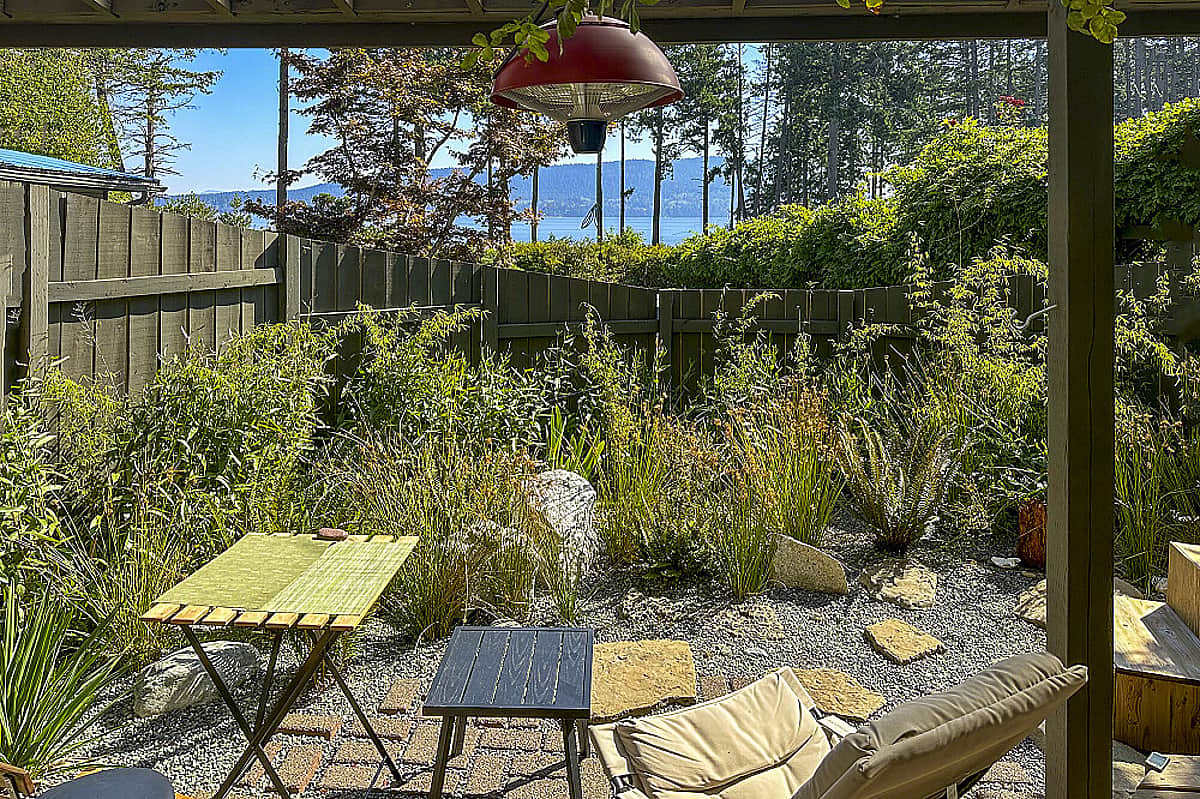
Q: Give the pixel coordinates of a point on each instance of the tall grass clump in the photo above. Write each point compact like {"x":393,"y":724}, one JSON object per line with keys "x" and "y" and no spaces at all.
{"x":30,"y":511}
{"x":52,"y":679}
{"x":741,"y":537}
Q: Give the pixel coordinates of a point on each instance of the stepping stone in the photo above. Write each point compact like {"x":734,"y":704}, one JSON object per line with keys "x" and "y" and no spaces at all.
{"x":1031,"y":604}
{"x":486,"y":775}
{"x":751,"y":621}
{"x":909,"y":585}
{"x":798,"y":565}
{"x":840,"y":694}
{"x":400,"y":696}
{"x":526,"y":740}
{"x":255,"y":771}
{"x":902,"y":643}
{"x":387,"y":727}
{"x":634,"y":677}
{"x":326,"y":727}
{"x":345,"y":778}
{"x":363,"y":751}
{"x":299,"y":766}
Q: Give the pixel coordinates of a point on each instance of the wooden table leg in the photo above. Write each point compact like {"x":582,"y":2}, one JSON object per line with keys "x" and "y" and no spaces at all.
{"x":460,"y":734}
{"x":443,"y":757}
{"x":584,"y":745}
{"x":572,"y":753}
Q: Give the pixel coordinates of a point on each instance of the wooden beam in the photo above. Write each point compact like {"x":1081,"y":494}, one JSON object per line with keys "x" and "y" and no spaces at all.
{"x":35,"y":309}
{"x":345,"y":7}
{"x":1079,"y":536}
{"x":475,"y":7}
{"x":150,"y":285}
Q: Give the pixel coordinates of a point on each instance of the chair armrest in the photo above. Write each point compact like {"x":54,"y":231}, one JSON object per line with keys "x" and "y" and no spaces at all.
{"x":19,"y":778}
{"x":835,"y":727}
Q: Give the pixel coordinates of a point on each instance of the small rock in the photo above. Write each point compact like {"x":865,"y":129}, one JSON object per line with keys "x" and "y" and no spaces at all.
{"x":798,"y":565}
{"x":757,"y":652}
{"x":840,"y":694}
{"x":179,"y":680}
{"x":1159,"y":584}
{"x":332,"y":534}
{"x":902,"y":643}
{"x":906,"y":584}
{"x":635,"y":677}
{"x":1005,"y":563}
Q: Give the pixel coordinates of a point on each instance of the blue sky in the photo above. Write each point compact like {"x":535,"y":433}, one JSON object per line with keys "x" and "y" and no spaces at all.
{"x":233,"y":131}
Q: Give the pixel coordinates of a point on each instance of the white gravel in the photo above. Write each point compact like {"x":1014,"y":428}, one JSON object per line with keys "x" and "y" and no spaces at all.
{"x":973,"y":617}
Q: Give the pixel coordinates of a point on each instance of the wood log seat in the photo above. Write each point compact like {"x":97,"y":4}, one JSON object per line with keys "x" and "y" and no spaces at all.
{"x":1157,"y":659}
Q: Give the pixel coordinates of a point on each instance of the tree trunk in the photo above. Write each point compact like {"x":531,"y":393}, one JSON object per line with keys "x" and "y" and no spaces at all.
{"x":741,"y":134}
{"x":533,"y":225}
{"x":704,"y":182}
{"x":110,"y":129}
{"x":281,"y":158}
{"x":759,"y":203}
{"x":655,"y":222}
{"x":622,"y":225}
{"x":833,"y":149}
{"x":148,"y":142}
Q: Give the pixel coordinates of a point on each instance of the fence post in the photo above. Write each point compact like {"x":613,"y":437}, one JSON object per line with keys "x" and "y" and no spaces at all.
{"x":289,"y":289}
{"x":35,"y":305}
{"x":666,"y":330}
{"x":491,"y":306}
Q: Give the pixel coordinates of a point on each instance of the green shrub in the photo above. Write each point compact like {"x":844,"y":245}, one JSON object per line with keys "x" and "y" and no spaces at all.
{"x":741,"y":538}
{"x":52,"y":678}
{"x":1158,"y":169}
{"x":897,"y":478}
{"x":854,"y":242}
{"x":623,"y":258}
{"x":30,"y":523}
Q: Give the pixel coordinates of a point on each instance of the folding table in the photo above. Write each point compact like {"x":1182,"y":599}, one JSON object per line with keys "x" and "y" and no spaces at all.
{"x":277,"y":583}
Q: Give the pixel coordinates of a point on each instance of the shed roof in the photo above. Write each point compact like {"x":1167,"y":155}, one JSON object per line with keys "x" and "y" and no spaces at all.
{"x":22,"y":167}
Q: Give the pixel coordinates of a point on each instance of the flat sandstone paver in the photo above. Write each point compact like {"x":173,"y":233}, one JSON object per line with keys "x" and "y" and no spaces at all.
{"x":299,"y":766}
{"x":255,"y":771}
{"x":486,"y":775}
{"x":900,"y":642}
{"x":326,"y":727}
{"x":901,"y":582}
{"x":344,"y":778}
{"x":528,"y":739}
{"x":633,"y":677}
{"x":840,"y":694}
{"x":387,"y":727}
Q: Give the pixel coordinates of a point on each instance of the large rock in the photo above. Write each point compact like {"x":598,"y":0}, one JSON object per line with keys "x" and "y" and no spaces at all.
{"x":909,"y":585}
{"x":567,"y":502}
{"x":634,"y":677}
{"x":900,"y":642}
{"x":798,"y":565}
{"x":1129,"y":769}
{"x":179,"y":679}
{"x":1031,"y":604}
{"x":840,"y":694}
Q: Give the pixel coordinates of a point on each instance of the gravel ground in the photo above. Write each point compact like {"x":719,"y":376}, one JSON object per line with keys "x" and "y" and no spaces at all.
{"x":973,"y":617}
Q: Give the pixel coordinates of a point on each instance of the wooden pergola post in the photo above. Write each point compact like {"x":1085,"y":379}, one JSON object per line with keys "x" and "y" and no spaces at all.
{"x":1080,"y":382}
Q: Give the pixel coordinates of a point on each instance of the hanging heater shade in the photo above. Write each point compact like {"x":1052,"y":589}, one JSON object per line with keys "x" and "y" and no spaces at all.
{"x":602,"y":73}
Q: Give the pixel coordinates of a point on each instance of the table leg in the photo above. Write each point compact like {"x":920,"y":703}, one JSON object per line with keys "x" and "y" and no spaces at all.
{"x":573,"y":780}
{"x":443,"y":758}
{"x":269,"y":678}
{"x":460,"y":734}
{"x":256,"y":748}
{"x":279,"y":710}
{"x":584,"y":745}
{"x":362,"y":718}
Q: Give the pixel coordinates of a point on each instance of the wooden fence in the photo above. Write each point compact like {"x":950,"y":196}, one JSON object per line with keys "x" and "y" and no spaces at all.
{"x":110,"y":290}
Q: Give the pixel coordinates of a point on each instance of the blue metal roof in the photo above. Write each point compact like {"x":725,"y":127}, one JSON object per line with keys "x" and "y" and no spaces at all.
{"x":42,"y":166}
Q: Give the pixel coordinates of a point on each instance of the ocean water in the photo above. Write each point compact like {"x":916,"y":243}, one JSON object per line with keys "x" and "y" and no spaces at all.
{"x":674,"y":229}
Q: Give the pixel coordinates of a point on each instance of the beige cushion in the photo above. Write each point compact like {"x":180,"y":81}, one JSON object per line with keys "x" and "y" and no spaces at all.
{"x":761,"y":741}
{"x":922,"y":747}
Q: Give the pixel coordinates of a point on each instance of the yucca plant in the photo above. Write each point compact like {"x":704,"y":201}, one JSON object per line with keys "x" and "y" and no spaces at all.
{"x":897,"y":481}
{"x":52,"y":677}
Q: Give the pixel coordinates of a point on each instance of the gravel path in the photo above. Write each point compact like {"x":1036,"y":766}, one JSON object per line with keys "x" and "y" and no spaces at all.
{"x":973,"y":617}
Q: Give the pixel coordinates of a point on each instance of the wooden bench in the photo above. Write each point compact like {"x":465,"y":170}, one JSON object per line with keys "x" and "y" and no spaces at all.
{"x":1179,"y":780}
{"x":1157,"y":659}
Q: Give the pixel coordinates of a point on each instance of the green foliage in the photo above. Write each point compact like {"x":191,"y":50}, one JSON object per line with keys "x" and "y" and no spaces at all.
{"x":897,"y":477}
{"x":30,"y":525}
{"x":1158,"y":169}
{"x":190,"y":205}
{"x":623,"y":258}
{"x":410,"y":381}
{"x":741,"y":537}
{"x":47,"y":106}
{"x":52,"y":678}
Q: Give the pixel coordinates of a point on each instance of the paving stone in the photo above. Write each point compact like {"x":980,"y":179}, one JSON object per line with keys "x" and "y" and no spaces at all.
{"x":902,"y":643}
{"x":486,"y":775}
{"x":738,"y":683}
{"x":524,"y":723}
{"x":365,"y":751}
{"x":255,"y":771}
{"x":423,"y":746}
{"x":712,"y":687}
{"x":595,"y":781}
{"x":326,"y":727}
{"x":299,"y":766}
{"x":387,"y":727}
{"x":553,"y":742}
{"x":838,"y":693}
{"x":909,"y":585}
{"x":526,"y":765}
{"x":634,"y":677}
{"x":400,"y":696}
{"x":420,"y":783}
{"x":341,"y":777}
{"x":524,"y":740}
{"x":548,"y":788}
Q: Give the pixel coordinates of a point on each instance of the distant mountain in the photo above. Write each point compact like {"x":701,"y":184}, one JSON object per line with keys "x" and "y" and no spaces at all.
{"x":568,"y":190}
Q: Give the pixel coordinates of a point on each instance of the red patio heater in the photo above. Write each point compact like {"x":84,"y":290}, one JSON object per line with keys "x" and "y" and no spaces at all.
{"x":600,"y":74}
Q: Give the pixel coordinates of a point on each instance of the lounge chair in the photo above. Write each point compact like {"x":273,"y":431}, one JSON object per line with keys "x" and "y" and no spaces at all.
{"x":767,"y":741}
{"x":117,"y":783}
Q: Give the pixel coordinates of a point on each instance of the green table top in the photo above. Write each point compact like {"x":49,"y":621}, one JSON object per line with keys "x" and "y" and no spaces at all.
{"x":296,"y":574}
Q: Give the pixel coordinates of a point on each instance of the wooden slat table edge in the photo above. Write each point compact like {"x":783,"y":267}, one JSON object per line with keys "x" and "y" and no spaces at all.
{"x":346,"y":622}
{"x":313,"y":621}
{"x":282,"y":621}
{"x":250,"y":618}
{"x":189,"y":615}
{"x":218,"y":617}
{"x":160,"y":612}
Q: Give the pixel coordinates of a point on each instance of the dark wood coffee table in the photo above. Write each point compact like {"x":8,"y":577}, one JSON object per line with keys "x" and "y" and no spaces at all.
{"x":527,"y":672}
